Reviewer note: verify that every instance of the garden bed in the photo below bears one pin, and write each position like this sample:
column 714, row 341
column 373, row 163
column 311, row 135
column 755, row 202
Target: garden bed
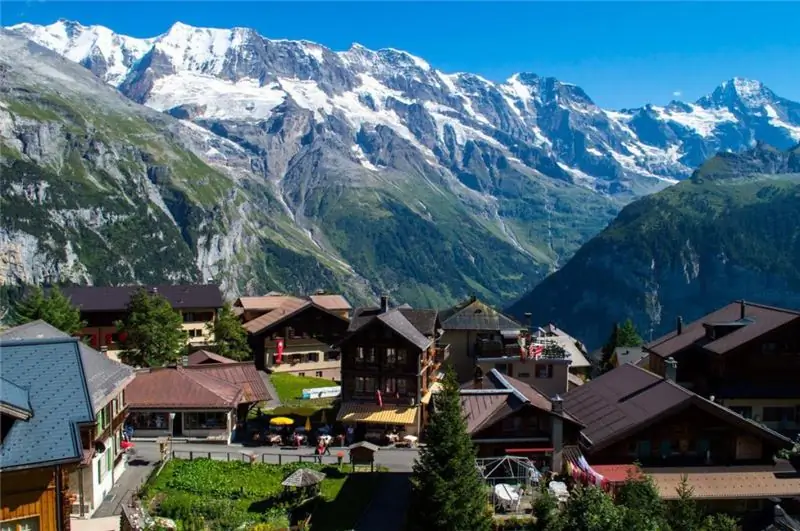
column 207, row 494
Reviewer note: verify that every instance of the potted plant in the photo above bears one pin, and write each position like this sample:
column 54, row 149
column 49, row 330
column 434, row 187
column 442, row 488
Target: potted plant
column 340, row 457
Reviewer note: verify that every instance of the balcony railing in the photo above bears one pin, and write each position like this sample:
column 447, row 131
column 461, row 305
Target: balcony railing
column 542, row 350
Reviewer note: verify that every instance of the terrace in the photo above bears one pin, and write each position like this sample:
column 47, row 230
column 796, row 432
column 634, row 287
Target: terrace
column 536, row 349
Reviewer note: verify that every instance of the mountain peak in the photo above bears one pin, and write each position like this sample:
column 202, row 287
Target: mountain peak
column 738, row 91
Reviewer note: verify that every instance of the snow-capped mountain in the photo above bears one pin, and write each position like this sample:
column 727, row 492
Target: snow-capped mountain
column 537, row 123
column 360, row 170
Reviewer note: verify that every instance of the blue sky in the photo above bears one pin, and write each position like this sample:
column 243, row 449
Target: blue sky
column 623, row 54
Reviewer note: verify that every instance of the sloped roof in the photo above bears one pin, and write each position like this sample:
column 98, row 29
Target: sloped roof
column 395, row 320
column 476, row 315
column 202, row 356
column 51, row 372
column 290, row 307
column 267, row 302
column 104, row 376
column 424, row 320
column 759, row 319
column 628, row 398
column 304, row 477
column 629, row 354
column 498, row 397
column 242, row 374
column 331, row 302
column 170, row 387
column 116, row 298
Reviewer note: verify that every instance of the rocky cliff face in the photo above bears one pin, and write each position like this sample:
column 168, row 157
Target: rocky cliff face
column 729, row 232
column 428, row 185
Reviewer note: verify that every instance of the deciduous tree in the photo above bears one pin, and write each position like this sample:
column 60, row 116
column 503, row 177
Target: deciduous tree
column 152, row 334
column 53, row 308
column 591, row 509
column 229, row 335
column 448, row 492
column 644, row 510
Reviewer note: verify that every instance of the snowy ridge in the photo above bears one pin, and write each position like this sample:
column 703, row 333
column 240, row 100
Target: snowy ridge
column 238, row 75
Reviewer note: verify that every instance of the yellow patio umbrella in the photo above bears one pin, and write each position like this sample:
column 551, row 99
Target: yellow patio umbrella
column 308, row 423
column 281, row 421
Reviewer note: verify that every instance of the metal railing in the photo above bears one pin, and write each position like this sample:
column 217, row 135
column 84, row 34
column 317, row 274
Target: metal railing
column 274, row 459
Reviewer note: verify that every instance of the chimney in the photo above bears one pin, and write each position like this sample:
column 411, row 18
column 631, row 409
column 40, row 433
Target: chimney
column 671, row 371
column 185, row 361
column 680, row 325
column 384, row 303
column 210, row 280
column 557, row 432
column 477, row 379
column 743, row 309
column 104, row 350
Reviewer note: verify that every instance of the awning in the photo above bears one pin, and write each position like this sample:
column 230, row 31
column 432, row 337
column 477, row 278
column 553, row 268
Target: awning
column 374, row 414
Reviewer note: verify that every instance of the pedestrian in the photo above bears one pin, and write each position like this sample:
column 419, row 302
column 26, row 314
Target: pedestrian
column 320, row 450
column 327, row 448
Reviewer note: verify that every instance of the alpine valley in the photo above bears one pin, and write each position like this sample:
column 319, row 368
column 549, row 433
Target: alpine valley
column 273, row 164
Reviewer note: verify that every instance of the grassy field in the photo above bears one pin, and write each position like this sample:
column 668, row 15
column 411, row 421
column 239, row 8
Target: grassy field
column 208, row 494
column 290, row 390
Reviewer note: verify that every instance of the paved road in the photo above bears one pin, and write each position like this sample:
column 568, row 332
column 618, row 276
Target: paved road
column 139, row 468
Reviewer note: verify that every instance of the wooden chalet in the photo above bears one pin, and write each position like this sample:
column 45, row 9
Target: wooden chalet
column 745, row 355
column 46, row 417
column 391, row 362
column 102, row 306
column 632, row 415
column 506, row 416
column 298, row 335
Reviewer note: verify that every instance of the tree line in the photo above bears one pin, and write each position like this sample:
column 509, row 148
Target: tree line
column 151, row 334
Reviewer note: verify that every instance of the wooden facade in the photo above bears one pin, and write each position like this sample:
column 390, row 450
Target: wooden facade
column 312, row 330
column 38, row 494
column 689, row 437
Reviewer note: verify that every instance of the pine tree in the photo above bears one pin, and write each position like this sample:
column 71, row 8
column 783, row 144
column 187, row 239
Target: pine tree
column 53, row 308
column 644, row 508
column 448, row 492
column 608, row 349
column 591, row 509
column 230, row 337
column 152, row 334
column 624, row 335
column 684, row 514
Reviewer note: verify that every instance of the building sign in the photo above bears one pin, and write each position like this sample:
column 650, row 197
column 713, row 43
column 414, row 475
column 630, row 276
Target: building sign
column 322, row 392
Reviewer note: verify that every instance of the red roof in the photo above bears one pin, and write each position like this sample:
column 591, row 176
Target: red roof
column 203, row 356
column 170, row 387
column 617, row 473
column 243, row 374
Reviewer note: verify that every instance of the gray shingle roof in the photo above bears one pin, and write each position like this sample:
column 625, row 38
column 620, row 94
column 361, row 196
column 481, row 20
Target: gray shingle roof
column 116, row 298
column 395, row 320
column 104, row 376
column 475, row 315
column 52, row 373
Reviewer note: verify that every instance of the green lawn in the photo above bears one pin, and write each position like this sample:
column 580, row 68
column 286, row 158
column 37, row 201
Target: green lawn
column 290, row 390
column 219, row 494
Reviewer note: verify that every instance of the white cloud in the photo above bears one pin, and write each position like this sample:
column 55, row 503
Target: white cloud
column 677, row 93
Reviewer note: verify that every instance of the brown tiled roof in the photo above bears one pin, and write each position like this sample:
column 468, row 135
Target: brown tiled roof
column 116, row 298
column 265, row 303
column 628, row 398
column 243, row 374
column 759, row 319
column 201, row 356
column 498, row 397
column 170, row 387
column 288, row 308
column 331, row 302
column 779, row 481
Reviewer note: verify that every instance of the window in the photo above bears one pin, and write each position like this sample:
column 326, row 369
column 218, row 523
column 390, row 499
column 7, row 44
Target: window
column 365, row 384
column 148, row 421
column 402, row 356
column 365, row 355
column 30, row 523
column 767, row 348
column 197, row 317
column 318, row 374
column 523, row 375
column 396, row 386
column 206, row 420
column 104, row 418
column 391, row 356
column 118, row 442
column 643, row 449
column 779, row 414
column 301, row 374
column 544, row 371
column 195, row 332
column 503, row 368
column 102, row 468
